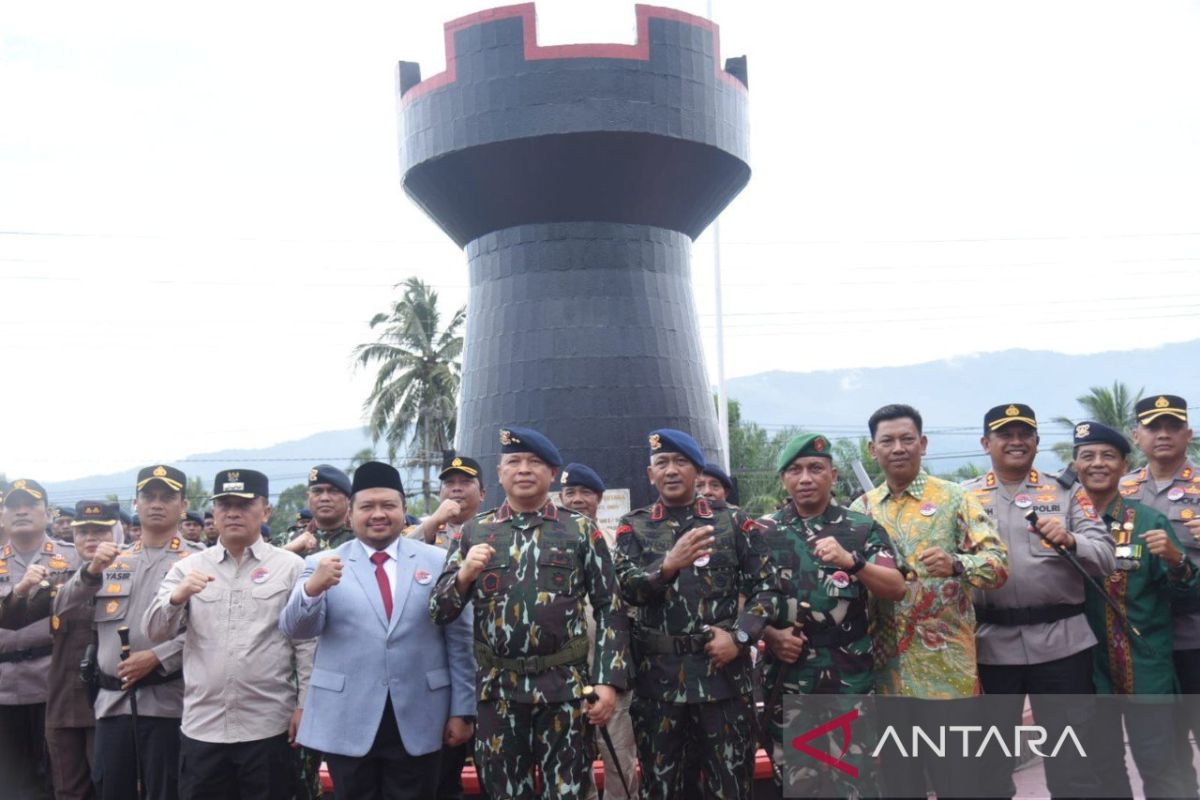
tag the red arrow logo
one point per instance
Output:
(843, 722)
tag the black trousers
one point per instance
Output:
(387, 771)
(114, 769)
(1151, 729)
(450, 775)
(264, 769)
(951, 775)
(24, 761)
(1067, 775)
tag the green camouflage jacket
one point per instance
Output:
(530, 601)
(837, 603)
(701, 596)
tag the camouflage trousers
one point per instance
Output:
(721, 733)
(801, 775)
(512, 738)
(310, 774)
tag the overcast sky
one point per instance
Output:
(200, 206)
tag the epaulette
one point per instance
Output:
(1085, 502)
(7, 551)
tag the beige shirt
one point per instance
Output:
(239, 672)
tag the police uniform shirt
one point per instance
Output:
(239, 667)
(121, 596)
(1037, 574)
(446, 535)
(1179, 500)
(24, 681)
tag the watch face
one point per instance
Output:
(958, 567)
(741, 637)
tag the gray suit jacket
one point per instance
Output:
(362, 657)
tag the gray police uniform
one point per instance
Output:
(1179, 500)
(24, 670)
(1037, 615)
(120, 597)
(1032, 636)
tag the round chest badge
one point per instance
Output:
(702, 561)
(1187, 513)
(840, 579)
(422, 577)
(928, 509)
(260, 575)
(1175, 494)
(491, 582)
(1022, 501)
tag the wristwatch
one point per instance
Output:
(859, 563)
(741, 638)
(959, 567)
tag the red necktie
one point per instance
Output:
(385, 588)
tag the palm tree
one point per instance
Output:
(1112, 407)
(414, 403)
(358, 459)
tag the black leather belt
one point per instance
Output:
(659, 643)
(835, 635)
(28, 654)
(113, 684)
(573, 653)
(1027, 615)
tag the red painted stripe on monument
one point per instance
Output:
(639, 51)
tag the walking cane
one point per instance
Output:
(590, 695)
(1118, 612)
(123, 632)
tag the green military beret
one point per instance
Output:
(808, 444)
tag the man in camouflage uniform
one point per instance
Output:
(25, 653)
(828, 558)
(528, 567)
(682, 563)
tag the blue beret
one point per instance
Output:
(1090, 432)
(192, 516)
(324, 473)
(527, 440)
(305, 513)
(127, 520)
(669, 440)
(713, 471)
(582, 475)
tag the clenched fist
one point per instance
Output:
(303, 544)
(327, 575)
(192, 583)
(696, 543)
(476, 559)
(1160, 544)
(106, 553)
(33, 576)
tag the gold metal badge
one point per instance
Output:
(160, 471)
(312, 475)
(1083, 430)
(505, 438)
(1012, 411)
(655, 441)
(112, 607)
(1162, 402)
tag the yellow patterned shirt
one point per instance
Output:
(925, 643)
